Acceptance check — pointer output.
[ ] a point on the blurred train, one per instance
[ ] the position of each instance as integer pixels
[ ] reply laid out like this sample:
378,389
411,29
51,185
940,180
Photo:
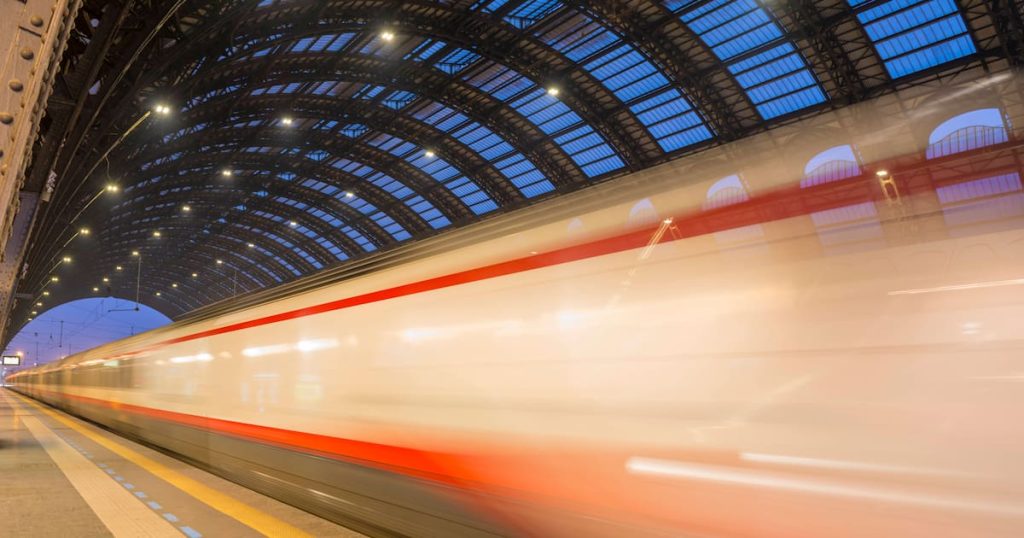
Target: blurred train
814,332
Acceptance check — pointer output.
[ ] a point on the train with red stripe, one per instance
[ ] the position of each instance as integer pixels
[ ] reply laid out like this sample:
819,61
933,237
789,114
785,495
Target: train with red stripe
812,332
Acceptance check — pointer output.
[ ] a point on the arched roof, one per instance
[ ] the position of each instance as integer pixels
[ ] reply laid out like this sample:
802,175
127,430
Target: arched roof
302,135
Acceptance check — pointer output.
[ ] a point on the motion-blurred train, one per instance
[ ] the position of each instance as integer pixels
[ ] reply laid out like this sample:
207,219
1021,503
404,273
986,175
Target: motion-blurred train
813,332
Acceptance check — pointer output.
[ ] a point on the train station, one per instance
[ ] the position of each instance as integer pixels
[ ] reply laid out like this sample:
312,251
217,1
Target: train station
512,268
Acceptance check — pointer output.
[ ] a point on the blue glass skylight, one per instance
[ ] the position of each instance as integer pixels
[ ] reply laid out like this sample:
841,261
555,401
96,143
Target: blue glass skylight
396,188
268,255
424,50
456,61
354,130
272,256
302,253
331,219
242,246
590,151
235,270
489,145
765,64
399,99
466,189
524,15
665,112
325,42
912,35
277,89
384,221
324,242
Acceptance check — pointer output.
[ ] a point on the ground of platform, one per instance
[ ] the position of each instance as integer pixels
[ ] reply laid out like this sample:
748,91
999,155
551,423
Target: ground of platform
61,476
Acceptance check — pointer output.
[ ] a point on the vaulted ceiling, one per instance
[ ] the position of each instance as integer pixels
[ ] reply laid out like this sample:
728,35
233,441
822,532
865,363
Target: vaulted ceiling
199,150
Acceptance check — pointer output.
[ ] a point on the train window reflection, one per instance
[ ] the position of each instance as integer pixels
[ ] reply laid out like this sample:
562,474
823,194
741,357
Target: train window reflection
848,228
728,191
642,214
972,206
967,131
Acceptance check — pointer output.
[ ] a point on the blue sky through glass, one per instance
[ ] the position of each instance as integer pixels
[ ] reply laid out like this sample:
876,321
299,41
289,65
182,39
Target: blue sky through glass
87,323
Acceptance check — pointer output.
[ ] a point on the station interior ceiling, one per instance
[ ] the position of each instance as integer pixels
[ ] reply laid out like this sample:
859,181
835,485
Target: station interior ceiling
193,151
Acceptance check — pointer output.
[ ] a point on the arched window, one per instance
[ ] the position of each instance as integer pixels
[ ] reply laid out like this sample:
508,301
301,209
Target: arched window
844,228
833,164
642,214
967,131
975,205
728,191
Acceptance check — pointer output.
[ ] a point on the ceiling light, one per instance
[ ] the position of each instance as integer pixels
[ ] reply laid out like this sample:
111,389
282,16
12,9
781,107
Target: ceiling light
135,253
54,279
106,279
94,288
882,173
220,262
118,268
553,91
162,109
156,233
667,221
250,245
194,275
39,304
34,312
186,208
348,194
158,294
66,259
292,223
287,120
112,188
387,35
46,294
428,154
175,285
84,231
226,172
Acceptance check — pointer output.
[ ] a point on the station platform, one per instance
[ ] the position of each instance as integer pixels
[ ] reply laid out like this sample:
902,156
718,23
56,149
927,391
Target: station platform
61,476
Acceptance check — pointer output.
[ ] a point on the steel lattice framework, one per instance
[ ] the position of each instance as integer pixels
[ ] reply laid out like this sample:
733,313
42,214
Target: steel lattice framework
302,135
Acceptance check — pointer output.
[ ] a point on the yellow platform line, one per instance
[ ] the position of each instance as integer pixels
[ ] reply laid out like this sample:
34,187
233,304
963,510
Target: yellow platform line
257,520
115,506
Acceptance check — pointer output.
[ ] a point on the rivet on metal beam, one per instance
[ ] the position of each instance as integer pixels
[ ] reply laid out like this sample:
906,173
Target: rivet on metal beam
6,118
36,21
16,85
27,53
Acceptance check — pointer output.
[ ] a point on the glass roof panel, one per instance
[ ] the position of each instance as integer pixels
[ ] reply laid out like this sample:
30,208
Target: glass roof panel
257,263
423,51
489,145
526,14
278,239
439,169
456,60
912,35
757,53
632,78
546,112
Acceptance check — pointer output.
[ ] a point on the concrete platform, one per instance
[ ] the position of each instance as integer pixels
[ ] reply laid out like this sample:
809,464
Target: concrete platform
63,477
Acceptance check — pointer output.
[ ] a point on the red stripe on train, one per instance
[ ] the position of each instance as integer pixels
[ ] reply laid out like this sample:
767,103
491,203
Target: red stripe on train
779,204
560,478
